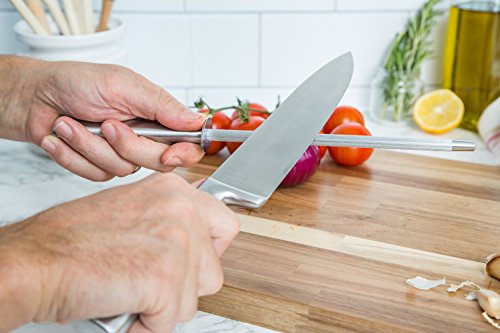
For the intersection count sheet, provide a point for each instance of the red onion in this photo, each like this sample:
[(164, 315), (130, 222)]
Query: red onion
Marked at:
[(304, 168)]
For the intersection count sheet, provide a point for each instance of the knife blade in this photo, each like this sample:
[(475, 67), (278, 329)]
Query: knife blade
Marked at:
[(249, 176), (159, 133)]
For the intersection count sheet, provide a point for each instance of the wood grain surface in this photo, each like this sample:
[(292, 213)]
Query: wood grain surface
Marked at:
[(333, 255)]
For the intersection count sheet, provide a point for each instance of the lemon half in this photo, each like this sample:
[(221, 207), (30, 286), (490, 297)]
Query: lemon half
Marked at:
[(438, 111)]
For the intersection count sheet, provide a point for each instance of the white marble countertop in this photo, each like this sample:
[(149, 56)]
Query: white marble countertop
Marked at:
[(482, 155), (30, 183)]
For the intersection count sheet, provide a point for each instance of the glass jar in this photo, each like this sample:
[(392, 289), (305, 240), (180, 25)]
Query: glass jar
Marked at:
[(472, 56), (393, 95)]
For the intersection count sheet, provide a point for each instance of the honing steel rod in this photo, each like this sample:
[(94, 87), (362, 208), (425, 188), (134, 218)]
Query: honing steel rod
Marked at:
[(159, 133)]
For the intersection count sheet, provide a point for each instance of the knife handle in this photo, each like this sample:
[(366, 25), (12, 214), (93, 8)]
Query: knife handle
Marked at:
[(159, 133)]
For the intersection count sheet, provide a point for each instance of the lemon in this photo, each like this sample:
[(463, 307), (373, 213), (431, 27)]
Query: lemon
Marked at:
[(438, 111)]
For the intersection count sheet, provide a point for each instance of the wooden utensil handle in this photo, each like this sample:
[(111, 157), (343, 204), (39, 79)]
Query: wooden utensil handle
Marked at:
[(107, 5), (28, 16), (36, 8), (57, 14)]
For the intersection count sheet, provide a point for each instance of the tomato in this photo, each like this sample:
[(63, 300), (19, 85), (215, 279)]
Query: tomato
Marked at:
[(254, 106), (350, 156), (342, 115), (238, 124), (219, 121), (322, 149)]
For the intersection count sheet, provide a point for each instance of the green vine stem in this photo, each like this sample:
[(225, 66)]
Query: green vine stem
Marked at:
[(242, 108)]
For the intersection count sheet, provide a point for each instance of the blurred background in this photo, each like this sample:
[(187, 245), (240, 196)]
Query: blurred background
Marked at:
[(258, 50), (255, 49)]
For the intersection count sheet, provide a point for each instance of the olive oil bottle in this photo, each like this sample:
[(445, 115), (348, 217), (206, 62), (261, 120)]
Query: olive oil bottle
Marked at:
[(472, 57)]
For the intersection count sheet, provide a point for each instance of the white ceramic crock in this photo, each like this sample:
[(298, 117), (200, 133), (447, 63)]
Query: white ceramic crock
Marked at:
[(100, 47)]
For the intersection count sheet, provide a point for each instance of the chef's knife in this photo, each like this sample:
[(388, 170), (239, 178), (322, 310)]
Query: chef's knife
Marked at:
[(158, 132), (249, 176)]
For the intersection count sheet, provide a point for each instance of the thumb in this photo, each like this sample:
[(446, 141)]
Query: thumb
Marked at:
[(150, 101)]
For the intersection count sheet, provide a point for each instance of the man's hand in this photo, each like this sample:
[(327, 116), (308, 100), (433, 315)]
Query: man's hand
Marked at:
[(36, 94), (150, 248)]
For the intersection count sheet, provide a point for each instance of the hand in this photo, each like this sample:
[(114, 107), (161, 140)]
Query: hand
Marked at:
[(44, 95), (150, 248)]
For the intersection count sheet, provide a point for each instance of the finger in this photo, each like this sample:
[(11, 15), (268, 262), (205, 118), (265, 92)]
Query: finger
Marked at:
[(160, 321), (182, 154), (71, 160), (210, 277), (198, 183), (150, 101), (136, 149), (224, 224), (94, 148), (189, 300), (139, 327)]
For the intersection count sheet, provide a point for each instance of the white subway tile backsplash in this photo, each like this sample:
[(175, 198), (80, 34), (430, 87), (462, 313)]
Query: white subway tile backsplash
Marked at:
[(357, 96), (432, 69), (8, 42), (378, 5), (159, 47), (5, 4), (259, 5), (225, 50), (255, 49), (145, 5), (293, 46)]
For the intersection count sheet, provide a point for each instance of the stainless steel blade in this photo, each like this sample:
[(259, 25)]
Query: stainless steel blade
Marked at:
[(254, 171)]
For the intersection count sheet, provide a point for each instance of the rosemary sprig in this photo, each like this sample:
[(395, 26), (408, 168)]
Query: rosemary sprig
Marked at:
[(406, 54)]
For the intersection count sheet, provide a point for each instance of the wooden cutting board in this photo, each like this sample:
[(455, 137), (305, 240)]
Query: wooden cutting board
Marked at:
[(333, 255)]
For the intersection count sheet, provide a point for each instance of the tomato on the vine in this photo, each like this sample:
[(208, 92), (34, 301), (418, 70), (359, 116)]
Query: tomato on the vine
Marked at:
[(342, 115), (350, 156), (219, 121), (254, 109), (238, 124)]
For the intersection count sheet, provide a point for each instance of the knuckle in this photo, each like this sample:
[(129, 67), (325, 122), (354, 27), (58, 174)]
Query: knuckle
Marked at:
[(178, 236), (172, 179), (100, 177), (165, 168), (125, 171), (185, 208), (123, 146)]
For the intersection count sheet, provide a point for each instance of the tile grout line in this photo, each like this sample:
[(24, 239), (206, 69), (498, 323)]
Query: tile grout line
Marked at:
[(241, 12), (259, 50), (191, 49)]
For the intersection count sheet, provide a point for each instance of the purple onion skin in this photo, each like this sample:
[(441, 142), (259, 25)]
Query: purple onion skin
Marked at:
[(304, 168)]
